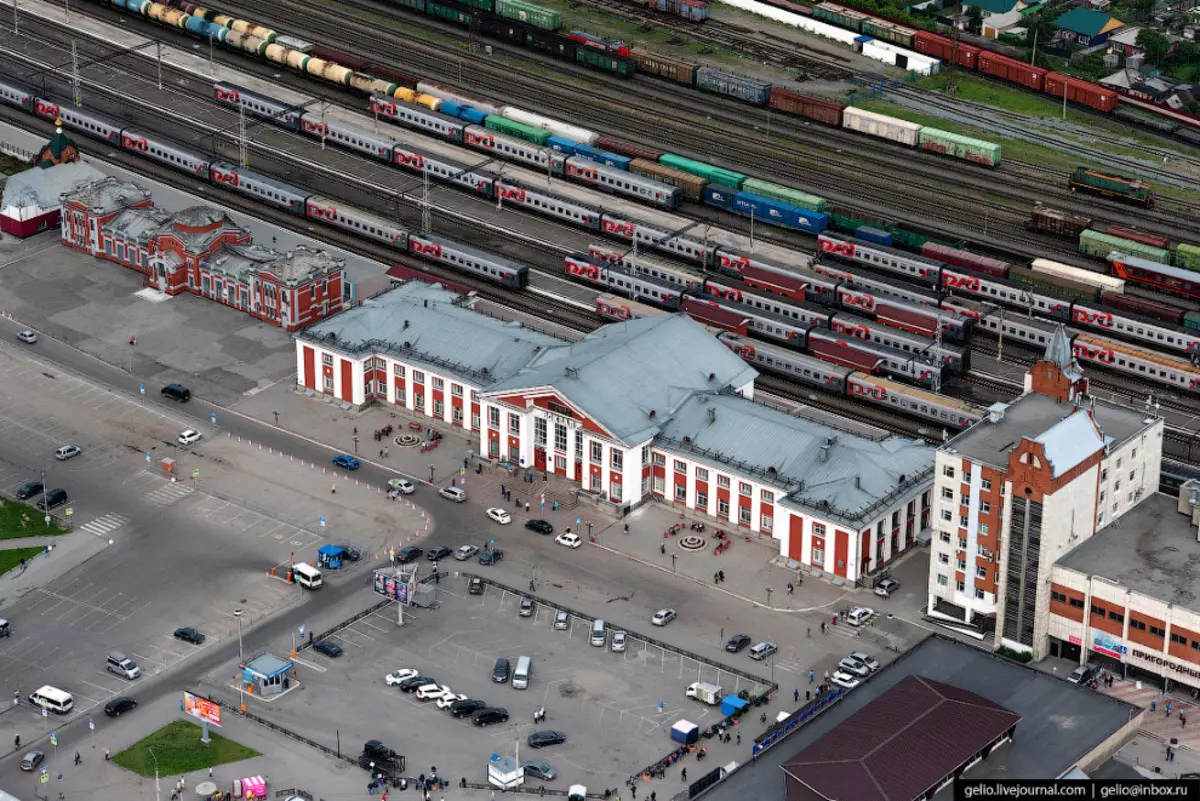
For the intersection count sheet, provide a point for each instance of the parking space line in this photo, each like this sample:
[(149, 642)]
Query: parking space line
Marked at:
[(365, 622)]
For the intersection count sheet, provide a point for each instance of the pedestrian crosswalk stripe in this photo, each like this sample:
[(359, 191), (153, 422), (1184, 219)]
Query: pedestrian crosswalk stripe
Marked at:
[(104, 525), (168, 493)]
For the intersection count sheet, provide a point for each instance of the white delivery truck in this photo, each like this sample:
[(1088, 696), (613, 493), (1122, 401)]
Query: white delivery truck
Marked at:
[(707, 693)]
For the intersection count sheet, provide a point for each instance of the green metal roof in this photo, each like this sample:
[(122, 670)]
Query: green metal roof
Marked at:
[(993, 6), (1084, 21)]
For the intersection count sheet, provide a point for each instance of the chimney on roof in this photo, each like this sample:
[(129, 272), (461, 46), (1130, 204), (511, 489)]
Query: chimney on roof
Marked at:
[(572, 372), (823, 453), (712, 415), (426, 302), (712, 376), (405, 328), (858, 482), (653, 414)]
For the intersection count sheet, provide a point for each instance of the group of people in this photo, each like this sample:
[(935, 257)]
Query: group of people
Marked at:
[(718, 577)]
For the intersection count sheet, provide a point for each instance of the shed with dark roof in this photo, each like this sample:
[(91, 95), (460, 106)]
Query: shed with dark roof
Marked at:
[(869, 756)]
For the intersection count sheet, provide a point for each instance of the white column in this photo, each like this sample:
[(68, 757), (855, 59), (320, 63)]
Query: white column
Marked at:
[(571, 434)]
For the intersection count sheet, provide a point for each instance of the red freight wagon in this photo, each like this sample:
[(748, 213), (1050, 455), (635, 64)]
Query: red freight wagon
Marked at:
[(1142, 306), (905, 319), (634, 151), (707, 314), (1009, 69), (812, 108), (966, 259), (1059, 223), (1081, 92), (825, 345), (1152, 240), (931, 44), (778, 283)]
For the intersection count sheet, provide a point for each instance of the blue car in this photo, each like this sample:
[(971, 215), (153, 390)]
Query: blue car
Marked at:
[(348, 462)]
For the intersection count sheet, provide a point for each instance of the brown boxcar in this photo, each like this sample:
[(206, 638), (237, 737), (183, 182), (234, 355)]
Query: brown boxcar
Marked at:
[(631, 149), (692, 185), (1009, 69), (1081, 92), (1153, 240), (1142, 306), (966, 259), (670, 68), (905, 319), (931, 44), (1059, 223), (830, 347), (707, 314), (813, 108)]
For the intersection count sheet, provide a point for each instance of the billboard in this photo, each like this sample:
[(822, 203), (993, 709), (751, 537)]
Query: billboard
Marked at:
[(202, 709), (397, 585)]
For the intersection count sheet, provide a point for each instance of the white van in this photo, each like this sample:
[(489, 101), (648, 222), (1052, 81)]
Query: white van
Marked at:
[(52, 698), (599, 633), (122, 666), (520, 679), (307, 576)]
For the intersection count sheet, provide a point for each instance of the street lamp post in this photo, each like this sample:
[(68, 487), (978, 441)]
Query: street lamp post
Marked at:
[(276, 413), (674, 556), (769, 591), (430, 474), (356, 445), (241, 653), (589, 525), (157, 789)]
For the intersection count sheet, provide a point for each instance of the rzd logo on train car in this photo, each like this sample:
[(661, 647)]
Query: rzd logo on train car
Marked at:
[(317, 128), (578, 171), (485, 141), (729, 293), (1092, 353), (431, 250), (621, 228), (413, 160), (730, 263), (584, 270), (747, 352), (613, 311), (230, 96), (868, 391), (226, 177), (514, 193), (829, 272), (848, 298), (383, 107), (967, 283), (138, 143), (604, 255), (45, 109), (322, 212), (1089, 317), (859, 331), (837, 248)]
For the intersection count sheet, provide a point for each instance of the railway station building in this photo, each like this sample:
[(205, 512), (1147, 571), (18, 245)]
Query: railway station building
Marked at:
[(202, 251), (1020, 494), (649, 409)]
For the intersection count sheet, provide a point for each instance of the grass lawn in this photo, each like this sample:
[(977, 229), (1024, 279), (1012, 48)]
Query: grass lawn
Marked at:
[(179, 750), (12, 557), (18, 520), (10, 165)]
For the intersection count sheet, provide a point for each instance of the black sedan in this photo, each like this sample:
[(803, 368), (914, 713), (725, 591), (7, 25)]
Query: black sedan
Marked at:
[(410, 685), (737, 642), (119, 706), (541, 739), (29, 489), (540, 526), (467, 707), (189, 634), (408, 553), (328, 648), (440, 552)]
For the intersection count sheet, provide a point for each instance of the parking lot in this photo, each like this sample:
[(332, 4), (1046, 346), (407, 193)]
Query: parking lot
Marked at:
[(615, 708)]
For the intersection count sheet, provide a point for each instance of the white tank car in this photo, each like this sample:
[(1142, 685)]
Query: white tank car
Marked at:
[(563, 129)]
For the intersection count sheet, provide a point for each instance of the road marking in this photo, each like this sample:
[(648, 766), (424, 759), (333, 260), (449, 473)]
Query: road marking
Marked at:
[(102, 526), (168, 493)]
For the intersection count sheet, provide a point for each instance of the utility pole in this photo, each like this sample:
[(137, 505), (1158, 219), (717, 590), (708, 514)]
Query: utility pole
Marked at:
[(426, 213), (1033, 52), (937, 347), (212, 67), (1000, 350), (76, 88), (16, 20), (751, 229), (243, 150), (159, 44), (634, 266)]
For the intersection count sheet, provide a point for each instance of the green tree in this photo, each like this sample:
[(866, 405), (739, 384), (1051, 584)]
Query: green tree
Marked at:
[(1154, 43), (975, 20), (1040, 27)]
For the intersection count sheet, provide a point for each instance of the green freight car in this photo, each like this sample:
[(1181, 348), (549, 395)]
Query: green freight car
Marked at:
[(962, 147), (785, 194), (1095, 243), (840, 16), (844, 223), (1063, 287), (714, 175), (530, 14), (436, 9), (1187, 256), (608, 62), (1109, 185), (499, 124)]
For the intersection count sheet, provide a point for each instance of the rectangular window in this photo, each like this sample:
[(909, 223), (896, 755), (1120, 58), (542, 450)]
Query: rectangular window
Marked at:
[(702, 500), (723, 482), (1116, 617), (945, 537), (768, 524), (418, 400), (597, 452), (960, 586), (962, 564), (984, 507), (947, 494), (474, 421), (327, 360), (818, 556), (948, 471), (723, 508), (1137, 624), (744, 488), (645, 455), (981, 571), (560, 437), (1157, 632), (438, 383), (744, 514), (1098, 610), (942, 580), (1179, 638), (1076, 603), (944, 558), (818, 530), (680, 467), (701, 474), (658, 484), (681, 492), (514, 424), (418, 376), (767, 496), (458, 415), (947, 515), (398, 370), (493, 417), (438, 411), (659, 459), (1058, 596), (456, 390), (539, 432), (983, 529), (617, 459), (986, 484), (979, 593), (616, 491)]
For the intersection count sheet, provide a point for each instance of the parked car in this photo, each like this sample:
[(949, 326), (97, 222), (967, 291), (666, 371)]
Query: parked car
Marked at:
[(66, 452), (475, 587), (190, 436), (28, 337), (562, 620), (330, 649), (737, 643), (541, 770), (619, 639), (429, 692), (541, 739), (662, 617), (397, 676), (32, 760), (569, 540), (886, 587), (345, 460), (189, 634), (1082, 674), (52, 498), (527, 607), (409, 553), (375, 751), (405, 486), (501, 670), (852, 665), (119, 706), (846, 680), (540, 526), (455, 494), (29, 489), (860, 616), (467, 707), (491, 556), (867, 660), (413, 683), (438, 552), (490, 715), (763, 650), (448, 700), (499, 515), (465, 552), (177, 392)]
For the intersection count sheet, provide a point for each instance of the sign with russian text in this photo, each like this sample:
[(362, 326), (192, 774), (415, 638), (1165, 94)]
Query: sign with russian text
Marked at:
[(202, 709)]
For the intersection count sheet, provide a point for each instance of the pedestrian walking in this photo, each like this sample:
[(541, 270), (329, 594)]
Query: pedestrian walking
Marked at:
[(386, 453), (682, 776), (1182, 721), (716, 579), (811, 677), (796, 696), (823, 631), (762, 718), (493, 795), (1168, 709), (1153, 704), (381, 453), (739, 738), (526, 507), (807, 696), (827, 676), (633, 790), (809, 634)]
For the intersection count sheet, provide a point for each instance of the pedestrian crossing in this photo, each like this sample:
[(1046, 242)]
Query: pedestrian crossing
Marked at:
[(104, 525), (167, 494)]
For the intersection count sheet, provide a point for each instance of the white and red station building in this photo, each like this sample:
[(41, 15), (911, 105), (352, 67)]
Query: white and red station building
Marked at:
[(650, 409)]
